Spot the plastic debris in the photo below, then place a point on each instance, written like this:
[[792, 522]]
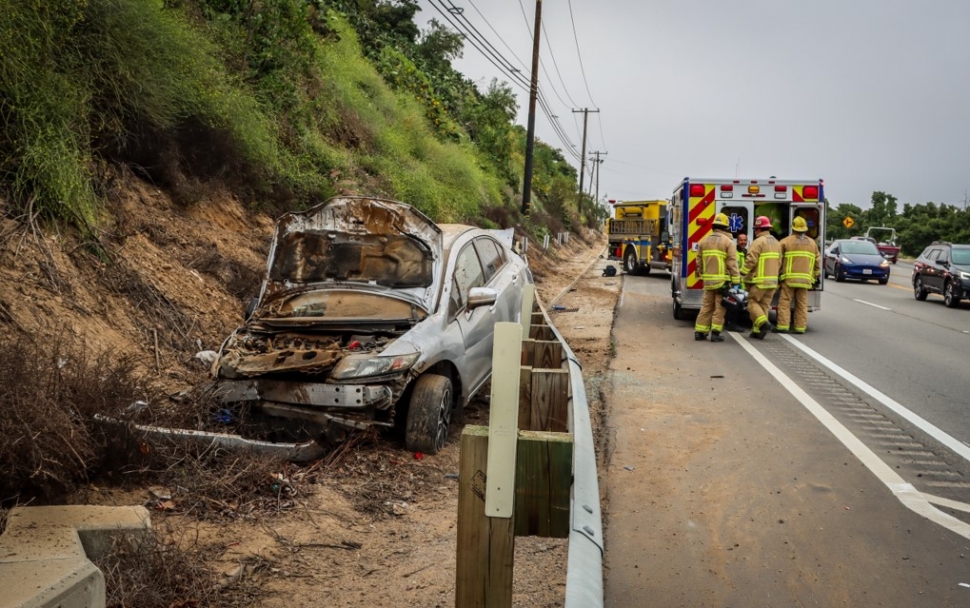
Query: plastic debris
[[207, 357]]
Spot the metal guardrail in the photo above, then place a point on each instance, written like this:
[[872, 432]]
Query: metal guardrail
[[584, 567]]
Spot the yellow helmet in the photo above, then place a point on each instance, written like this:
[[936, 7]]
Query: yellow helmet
[[799, 225], [720, 221]]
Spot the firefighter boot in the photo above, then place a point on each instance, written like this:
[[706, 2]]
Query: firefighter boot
[[700, 336], [765, 328], [716, 336]]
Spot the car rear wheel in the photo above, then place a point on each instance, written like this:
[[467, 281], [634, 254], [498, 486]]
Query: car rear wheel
[[630, 260], [429, 414], [918, 290], [950, 297]]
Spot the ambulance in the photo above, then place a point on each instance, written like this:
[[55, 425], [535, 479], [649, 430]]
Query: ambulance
[[694, 204]]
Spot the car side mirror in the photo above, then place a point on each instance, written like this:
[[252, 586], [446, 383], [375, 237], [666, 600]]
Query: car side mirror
[[481, 296]]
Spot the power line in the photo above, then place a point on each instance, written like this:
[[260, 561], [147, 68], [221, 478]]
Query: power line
[[556, 65], [579, 53], [478, 41]]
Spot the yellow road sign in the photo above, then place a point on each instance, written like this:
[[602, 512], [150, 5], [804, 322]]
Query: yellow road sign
[[847, 222]]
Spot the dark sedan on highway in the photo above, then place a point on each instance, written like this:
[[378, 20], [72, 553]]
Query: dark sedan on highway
[[855, 259], [943, 268]]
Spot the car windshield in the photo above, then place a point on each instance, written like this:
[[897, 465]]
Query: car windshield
[[859, 247], [961, 255], [391, 261]]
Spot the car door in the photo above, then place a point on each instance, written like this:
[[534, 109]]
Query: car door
[[831, 257], [477, 325], [502, 277], [932, 275]]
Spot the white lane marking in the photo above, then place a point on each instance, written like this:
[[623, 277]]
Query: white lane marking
[[905, 492], [871, 304], [925, 425]]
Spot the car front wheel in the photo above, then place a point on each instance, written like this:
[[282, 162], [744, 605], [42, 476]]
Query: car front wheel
[[429, 414], [839, 277], [918, 290], [950, 298]]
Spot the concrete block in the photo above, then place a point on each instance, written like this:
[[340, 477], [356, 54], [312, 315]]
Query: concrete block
[[45, 551]]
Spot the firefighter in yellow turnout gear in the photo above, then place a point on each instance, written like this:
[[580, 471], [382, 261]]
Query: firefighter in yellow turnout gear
[[801, 265], [760, 276], [717, 264]]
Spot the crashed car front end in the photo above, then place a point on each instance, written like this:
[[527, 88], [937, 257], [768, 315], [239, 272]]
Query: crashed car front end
[[328, 342], [323, 378]]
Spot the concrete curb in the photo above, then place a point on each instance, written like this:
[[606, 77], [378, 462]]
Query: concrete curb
[[45, 553]]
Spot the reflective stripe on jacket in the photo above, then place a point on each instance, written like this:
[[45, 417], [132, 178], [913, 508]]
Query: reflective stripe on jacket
[[763, 262], [801, 263], [718, 260]]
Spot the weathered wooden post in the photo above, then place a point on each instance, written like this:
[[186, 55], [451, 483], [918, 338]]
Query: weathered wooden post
[[486, 494]]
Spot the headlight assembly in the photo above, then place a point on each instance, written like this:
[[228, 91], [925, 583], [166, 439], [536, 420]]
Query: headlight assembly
[[362, 366], [845, 260], [884, 263], [965, 275]]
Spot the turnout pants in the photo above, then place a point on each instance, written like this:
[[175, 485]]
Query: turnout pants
[[759, 303], [711, 316], [800, 297]]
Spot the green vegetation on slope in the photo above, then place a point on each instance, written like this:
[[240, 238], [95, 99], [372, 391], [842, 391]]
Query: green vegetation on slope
[[275, 99]]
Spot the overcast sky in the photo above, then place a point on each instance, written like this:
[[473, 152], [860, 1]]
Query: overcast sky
[[865, 94]]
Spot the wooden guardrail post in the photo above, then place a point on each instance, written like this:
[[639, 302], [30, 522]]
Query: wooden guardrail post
[[486, 494]]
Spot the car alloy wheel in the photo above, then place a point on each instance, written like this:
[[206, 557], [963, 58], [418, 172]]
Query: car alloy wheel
[[918, 290], [949, 295], [429, 414]]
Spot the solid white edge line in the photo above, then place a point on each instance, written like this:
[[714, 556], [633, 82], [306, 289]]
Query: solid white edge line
[[925, 425], [905, 492], [871, 304]]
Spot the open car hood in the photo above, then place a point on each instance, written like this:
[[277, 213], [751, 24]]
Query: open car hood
[[355, 243]]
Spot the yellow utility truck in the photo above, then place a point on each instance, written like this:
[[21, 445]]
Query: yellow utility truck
[[638, 235]]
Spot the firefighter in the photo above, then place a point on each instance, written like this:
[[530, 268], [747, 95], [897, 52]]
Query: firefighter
[[717, 264], [733, 320], [800, 267], [760, 275]]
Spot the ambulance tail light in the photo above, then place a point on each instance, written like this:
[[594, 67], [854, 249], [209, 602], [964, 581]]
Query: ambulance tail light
[[727, 191], [781, 192], [810, 192], [697, 190]]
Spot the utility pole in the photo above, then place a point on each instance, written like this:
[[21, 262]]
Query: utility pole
[[596, 168], [582, 157], [531, 134]]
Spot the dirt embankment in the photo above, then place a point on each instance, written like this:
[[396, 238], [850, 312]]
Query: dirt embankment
[[370, 524]]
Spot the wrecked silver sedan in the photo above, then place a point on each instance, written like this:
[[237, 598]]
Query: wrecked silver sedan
[[371, 314]]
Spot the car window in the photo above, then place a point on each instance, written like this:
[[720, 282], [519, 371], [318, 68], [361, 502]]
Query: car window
[[468, 274], [860, 247], [961, 255], [490, 255], [938, 255]]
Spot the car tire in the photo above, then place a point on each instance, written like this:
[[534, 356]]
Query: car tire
[[839, 277], [950, 297], [630, 260], [919, 292], [678, 311], [884, 281], [429, 414]]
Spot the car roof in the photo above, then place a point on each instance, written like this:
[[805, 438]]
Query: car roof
[[451, 232]]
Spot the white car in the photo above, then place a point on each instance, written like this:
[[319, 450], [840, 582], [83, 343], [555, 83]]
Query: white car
[[371, 314]]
